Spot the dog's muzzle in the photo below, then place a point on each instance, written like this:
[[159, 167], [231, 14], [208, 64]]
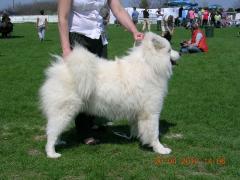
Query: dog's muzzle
[[174, 62]]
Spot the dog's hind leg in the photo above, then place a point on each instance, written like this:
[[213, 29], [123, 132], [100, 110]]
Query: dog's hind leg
[[56, 125], [148, 128]]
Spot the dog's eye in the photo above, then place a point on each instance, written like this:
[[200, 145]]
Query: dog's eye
[[169, 50]]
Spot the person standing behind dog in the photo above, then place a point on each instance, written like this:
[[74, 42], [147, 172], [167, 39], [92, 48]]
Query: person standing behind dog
[[168, 27], [80, 21], [146, 22], [41, 25]]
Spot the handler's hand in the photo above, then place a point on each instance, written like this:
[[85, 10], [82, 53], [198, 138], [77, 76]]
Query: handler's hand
[[138, 36]]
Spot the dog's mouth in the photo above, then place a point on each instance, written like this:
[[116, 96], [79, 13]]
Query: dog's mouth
[[174, 63]]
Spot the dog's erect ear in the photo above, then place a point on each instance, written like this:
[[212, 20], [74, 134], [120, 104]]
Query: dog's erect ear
[[158, 44]]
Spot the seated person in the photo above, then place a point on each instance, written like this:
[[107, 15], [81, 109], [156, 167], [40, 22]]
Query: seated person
[[198, 42]]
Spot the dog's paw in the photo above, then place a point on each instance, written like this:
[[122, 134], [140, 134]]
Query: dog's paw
[[53, 155], [162, 150]]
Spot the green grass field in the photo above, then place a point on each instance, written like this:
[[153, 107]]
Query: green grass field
[[199, 122]]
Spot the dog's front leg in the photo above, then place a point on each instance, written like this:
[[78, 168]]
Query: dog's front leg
[[159, 148], [148, 129]]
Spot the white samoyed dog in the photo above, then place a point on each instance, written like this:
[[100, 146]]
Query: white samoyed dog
[[131, 87]]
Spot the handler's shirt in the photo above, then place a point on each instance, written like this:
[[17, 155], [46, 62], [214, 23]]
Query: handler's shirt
[[85, 18]]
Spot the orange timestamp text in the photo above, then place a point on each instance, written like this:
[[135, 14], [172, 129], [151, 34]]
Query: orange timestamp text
[[189, 161]]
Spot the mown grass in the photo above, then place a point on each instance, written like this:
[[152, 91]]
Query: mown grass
[[202, 108]]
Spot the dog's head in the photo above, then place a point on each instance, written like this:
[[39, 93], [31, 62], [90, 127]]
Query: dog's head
[[159, 46]]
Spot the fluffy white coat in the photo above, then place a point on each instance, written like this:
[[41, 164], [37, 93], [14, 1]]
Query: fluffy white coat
[[131, 87]]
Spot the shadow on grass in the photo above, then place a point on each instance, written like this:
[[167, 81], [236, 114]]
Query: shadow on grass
[[164, 127], [48, 40], [106, 135], [12, 37]]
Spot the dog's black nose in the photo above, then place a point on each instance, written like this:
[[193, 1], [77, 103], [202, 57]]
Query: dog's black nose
[[180, 54]]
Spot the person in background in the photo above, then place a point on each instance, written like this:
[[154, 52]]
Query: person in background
[[197, 43], [180, 16], [168, 27], [191, 15], [159, 18], [184, 18], [212, 17], [217, 18], [80, 21], [6, 27], [196, 17], [200, 11], [146, 22], [205, 17], [135, 15], [41, 25], [224, 21]]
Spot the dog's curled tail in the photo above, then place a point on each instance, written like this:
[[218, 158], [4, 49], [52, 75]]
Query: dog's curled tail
[[82, 65]]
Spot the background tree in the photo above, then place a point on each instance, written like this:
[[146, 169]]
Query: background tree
[[144, 4], [134, 3], [34, 8], [149, 3], [230, 10], [155, 3]]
